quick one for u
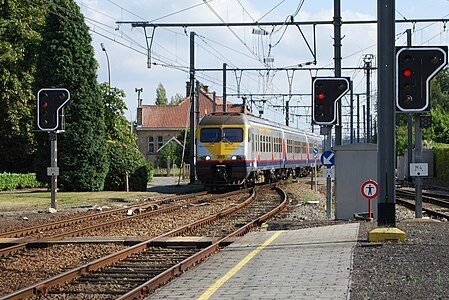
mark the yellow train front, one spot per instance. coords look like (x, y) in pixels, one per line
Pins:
(235, 149)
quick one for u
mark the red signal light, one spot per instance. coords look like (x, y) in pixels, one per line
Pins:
(407, 73)
(321, 96)
(45, 105)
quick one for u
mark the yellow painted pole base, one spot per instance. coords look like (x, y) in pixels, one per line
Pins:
(382, 234)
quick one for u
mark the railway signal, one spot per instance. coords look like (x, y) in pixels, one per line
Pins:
(415, 67)
(326, 91)
(49, 102)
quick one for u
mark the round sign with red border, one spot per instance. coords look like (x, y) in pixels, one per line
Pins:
(369, 189)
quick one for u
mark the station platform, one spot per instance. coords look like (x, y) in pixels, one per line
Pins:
(313, 263)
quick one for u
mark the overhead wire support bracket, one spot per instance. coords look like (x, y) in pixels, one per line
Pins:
(238, 79)
(149, 41)
(313, 52)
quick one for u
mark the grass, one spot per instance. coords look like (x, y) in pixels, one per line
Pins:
(41, 200)
(413, 278)
(308, 195)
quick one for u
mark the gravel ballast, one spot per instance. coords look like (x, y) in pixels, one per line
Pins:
(416, 269)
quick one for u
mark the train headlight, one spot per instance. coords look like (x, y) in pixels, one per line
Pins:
(238, 157)
(207, 157)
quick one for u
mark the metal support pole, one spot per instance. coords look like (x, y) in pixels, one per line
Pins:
(192, 108)
(224, 87)
(386, 113)
(368, 101)
(328, 179)
(214, 97)
(337, 64)
(364, 123)
(418, 159)
(351, 113)
(287, 112)
(54, 164)
(409, 124)
(358, 118)
(197, 104)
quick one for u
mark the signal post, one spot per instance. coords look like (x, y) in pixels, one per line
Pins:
(415, 67)
(326, 91)
(49, 103)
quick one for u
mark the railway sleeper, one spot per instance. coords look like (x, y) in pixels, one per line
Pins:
(124, 280)
(87, 292)
(109, 275)
(119, 272)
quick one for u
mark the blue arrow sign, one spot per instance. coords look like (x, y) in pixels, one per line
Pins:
(327, 158)
(315, 152)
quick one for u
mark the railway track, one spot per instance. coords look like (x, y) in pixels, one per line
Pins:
(139, 269)
(87, 224)
(435, 205)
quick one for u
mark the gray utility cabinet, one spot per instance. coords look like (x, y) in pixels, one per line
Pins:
(354, 164)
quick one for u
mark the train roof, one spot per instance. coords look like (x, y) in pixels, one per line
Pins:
(221, 118)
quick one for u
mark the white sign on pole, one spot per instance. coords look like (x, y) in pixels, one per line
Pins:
(419, 169)
(52, 171)
(329, 173)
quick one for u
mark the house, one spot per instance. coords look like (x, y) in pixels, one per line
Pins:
(156, 124)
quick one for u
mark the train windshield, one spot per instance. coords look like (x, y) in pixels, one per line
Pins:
(232, 135)
(210, 135)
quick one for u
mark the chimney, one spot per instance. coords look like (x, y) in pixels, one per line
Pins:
(139, 114)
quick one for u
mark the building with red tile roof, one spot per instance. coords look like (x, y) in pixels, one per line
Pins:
(156, 124)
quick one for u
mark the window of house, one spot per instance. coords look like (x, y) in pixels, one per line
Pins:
(160, 142)
(150, 144)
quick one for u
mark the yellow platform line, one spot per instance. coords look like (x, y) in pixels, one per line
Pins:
(213, 288)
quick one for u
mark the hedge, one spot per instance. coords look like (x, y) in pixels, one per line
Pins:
(442, 162)
(12, 181)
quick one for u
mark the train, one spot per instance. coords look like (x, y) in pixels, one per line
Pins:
(237, 149)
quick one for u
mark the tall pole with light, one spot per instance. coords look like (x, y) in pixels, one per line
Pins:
(109, 67)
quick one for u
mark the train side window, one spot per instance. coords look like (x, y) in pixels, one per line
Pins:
(252, 142)
(263, 143)
(210, 135)
(269, 144)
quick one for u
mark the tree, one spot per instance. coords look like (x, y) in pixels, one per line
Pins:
(168, 155)
(123, 154)
(176, 99)
(67, 60)
(20, 27)
(161, 95)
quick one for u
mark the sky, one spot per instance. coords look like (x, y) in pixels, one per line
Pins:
(238, 47)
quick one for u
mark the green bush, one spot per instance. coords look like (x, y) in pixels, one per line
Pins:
(12, 181)
(441, 162)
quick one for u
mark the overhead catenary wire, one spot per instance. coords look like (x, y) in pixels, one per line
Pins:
(355, 72)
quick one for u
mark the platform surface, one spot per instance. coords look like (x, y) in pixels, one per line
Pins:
(313, 263)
